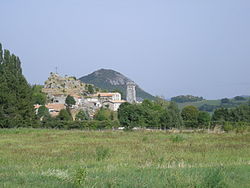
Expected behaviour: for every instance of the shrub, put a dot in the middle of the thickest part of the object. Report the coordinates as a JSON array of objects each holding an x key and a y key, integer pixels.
[
  {"x": 64, "y": 115},
  {"x": 241, "y": 128},
  {"x": 228, "y": 127},
  {"x": 80, "y": 176}
]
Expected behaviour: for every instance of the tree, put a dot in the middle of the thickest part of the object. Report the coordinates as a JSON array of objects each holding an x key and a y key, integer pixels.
[
  {"x": 239, "y": 98},
  {"x": 174, "y": 112},
  {"x": 70, "y": 101},
  {"x": 43, "y": 113},
  {"x": 189, "y": 113},
  {"x": 240, "y": 113},
  {"x": 225, "y": 101},
  {"x": 151, "y": 114},
  {"x": 64, "y": 115},
  {"x": 130, "y": 115},
  {"x": 186, "y": 98},
  {"x": 90, "y": 89},
  {"x": 203, "y": 118},
  {"x": 103, "y": 114},
  {"x": 82, "y": 115},
  {"x": 221, "y": 114},
  {"x": 16, "y": 108},
  {"x": 208, "y": 107},
  {"x": 165, "y": 120},
  {"x": 38, "y": 97}
]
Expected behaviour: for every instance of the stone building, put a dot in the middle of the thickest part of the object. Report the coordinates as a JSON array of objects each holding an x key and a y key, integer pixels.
[
  {"x": 108, "y": 96},
  {"x": 131, "y": 92},
  {"x": 113, "y": 105}
]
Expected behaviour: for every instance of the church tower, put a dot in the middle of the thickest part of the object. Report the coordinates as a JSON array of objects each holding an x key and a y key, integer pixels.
[{"x": 131, "y": 93}]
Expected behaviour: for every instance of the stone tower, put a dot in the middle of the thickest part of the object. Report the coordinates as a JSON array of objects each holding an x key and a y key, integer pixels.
[{"x": 131, "y": 93}]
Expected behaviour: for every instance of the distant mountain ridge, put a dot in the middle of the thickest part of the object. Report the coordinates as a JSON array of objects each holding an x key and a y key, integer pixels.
[{"x": 110, "y": 80}]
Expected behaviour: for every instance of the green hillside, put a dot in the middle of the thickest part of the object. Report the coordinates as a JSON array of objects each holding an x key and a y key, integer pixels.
[
  {"x": 214, "y": 104},
  {"x": 111, "y": 80}
]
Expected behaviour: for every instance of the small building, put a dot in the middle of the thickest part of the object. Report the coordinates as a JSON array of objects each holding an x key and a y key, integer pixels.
[
  {"x": 94, "y": 101},
  {"x": 114, "y": 104},
  {"x": 53, "y": 108},
  {"x": 108, "y": 96}
]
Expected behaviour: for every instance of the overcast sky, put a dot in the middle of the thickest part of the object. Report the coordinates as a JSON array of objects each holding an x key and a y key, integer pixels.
[{"x": 168, "y": 47}]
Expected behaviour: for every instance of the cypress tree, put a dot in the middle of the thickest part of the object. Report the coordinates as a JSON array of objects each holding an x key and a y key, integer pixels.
[
  {"x": 1, "y": 54},
  {"x": 16, "y": 108}
]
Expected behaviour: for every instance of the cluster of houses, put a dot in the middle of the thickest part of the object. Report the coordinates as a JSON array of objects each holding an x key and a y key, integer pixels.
[{"x": 58, "y": 88}]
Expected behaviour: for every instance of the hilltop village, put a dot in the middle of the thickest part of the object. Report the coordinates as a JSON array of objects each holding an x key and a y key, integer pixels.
[{"x": 86, "y": 96}]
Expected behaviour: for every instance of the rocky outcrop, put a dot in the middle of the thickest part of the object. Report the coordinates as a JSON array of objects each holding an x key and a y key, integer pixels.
[{"x": 56, "y": 85}]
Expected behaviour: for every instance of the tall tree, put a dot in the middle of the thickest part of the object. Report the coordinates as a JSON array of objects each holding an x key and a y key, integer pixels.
[
  {"x": 82, "y": 115},
  {"x": 64, "y": 115},
  {"x": 16, "y": 108},
  {"x": 190, "y": 113},
  {"x": 70, "y": 101}
]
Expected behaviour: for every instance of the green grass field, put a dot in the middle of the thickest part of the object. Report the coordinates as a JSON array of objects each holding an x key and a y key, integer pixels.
[{"x": 62, "y": 158}]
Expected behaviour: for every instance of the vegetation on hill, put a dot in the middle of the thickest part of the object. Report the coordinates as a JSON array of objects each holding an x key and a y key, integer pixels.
[
  {"x": 212, "y": 105},
  {"x": 16, "y": 108},
  {"x": 38, "y": 97},
  {"x": 111, "y": 80},
  {"x": 186, "y": 98}
]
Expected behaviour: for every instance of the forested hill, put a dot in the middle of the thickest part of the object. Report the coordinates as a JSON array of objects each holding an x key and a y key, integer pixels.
[{"x": 111, "y": 80}]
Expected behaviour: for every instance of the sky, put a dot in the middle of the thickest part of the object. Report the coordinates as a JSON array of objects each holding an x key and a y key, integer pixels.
[{"x": 168, "y": 47}]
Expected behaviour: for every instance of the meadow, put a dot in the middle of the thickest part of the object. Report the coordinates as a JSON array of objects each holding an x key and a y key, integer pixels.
[{"x": 75, "y": 158}]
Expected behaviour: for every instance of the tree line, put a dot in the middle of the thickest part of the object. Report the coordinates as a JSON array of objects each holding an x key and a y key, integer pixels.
[
  {"x": 186, "y": 98},
  {"x": 165, "y": 115}
]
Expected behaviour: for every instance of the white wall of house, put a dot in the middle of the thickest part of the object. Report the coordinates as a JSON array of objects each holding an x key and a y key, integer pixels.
[{"x": 116, "y": 97}]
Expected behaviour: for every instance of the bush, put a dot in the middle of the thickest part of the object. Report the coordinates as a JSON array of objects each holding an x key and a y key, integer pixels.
[
  {"x": 241, "y": 128},
  {"x": 80, "y": 176}
]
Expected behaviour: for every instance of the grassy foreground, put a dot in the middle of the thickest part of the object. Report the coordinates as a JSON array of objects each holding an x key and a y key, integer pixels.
[{"x": 62, "y": 158}]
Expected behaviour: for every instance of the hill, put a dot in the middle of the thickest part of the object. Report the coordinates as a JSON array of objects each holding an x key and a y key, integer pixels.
[
  {"x": 211, "y": 105},
  {"x": 111, "y": 80}
]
